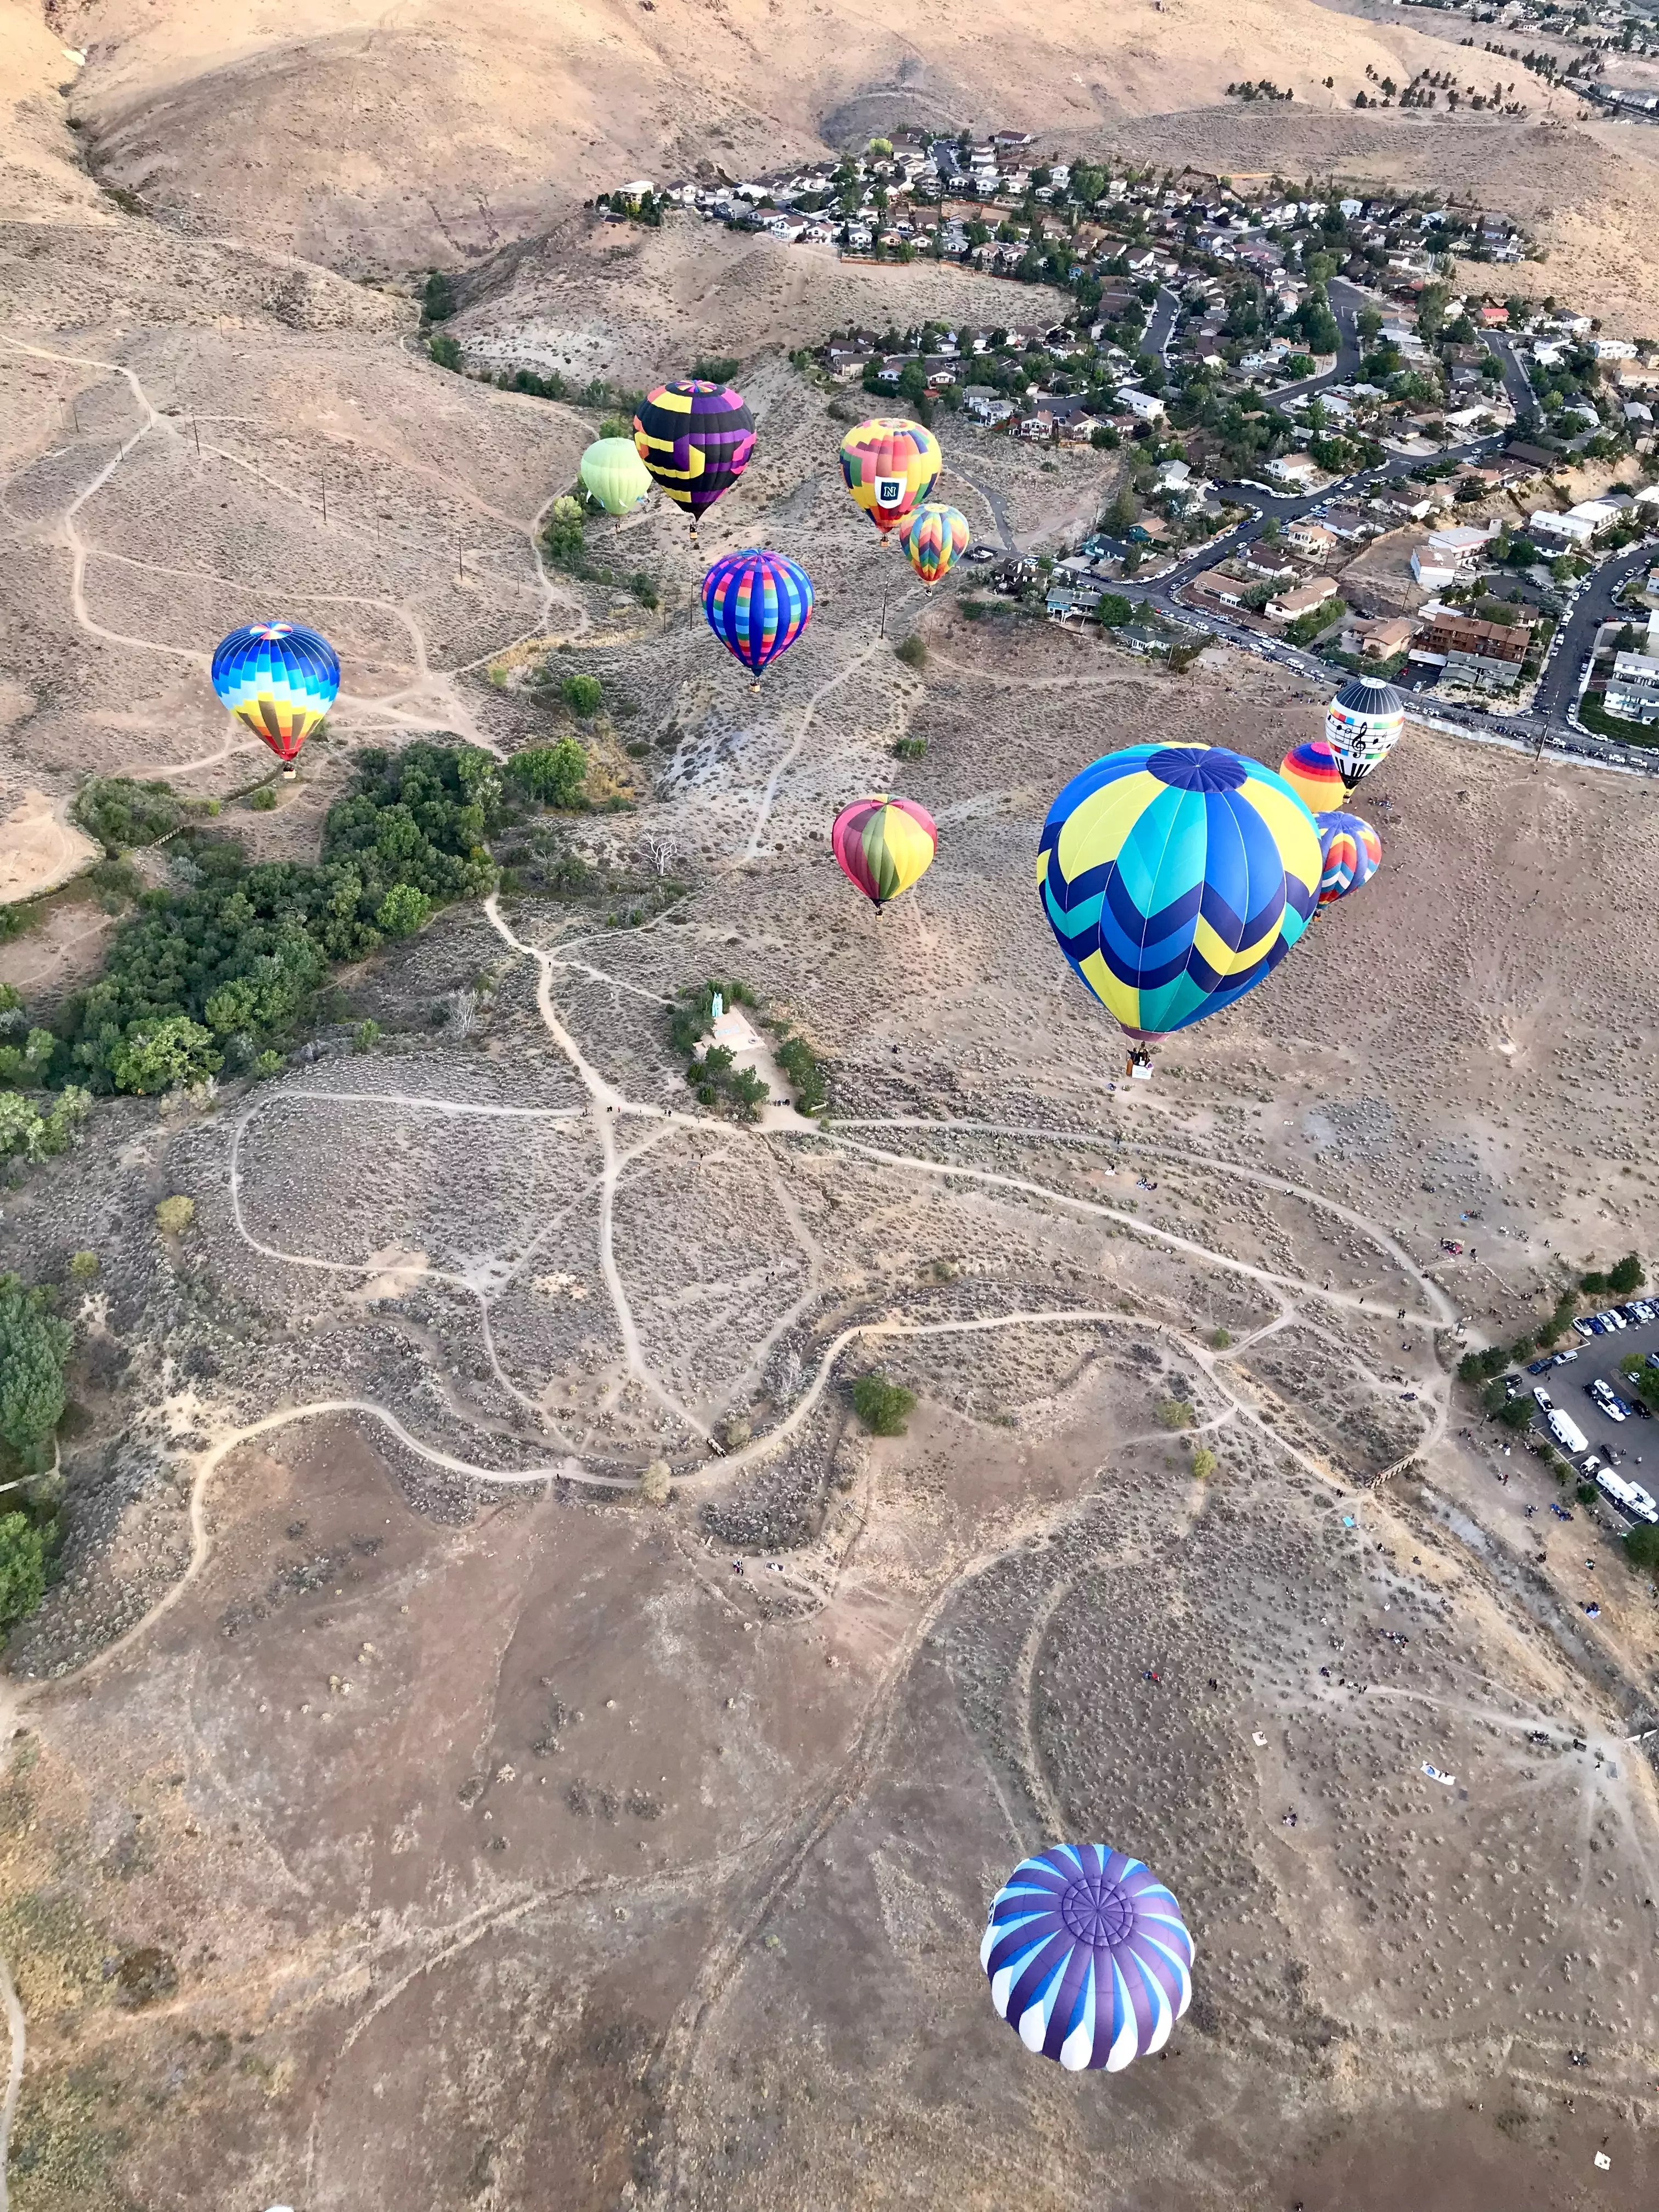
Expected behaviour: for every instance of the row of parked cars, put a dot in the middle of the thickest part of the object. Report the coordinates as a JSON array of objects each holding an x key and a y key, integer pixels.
[{"x": 1617, "y": 1317}]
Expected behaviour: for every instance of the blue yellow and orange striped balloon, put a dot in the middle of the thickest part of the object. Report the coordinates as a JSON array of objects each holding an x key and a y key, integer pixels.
[
  {"x": 280, "y": 679},
  {"x": 932, "y": 537},
  {"x": 1174, "y": 878},
  {"x": 882, "y": 845},
  {"x": 1352, "y": 854},
  {"x": 1315, "y": 773},
  {"x": 890, "y": 464},
  {"x": 757, "y": 604}
]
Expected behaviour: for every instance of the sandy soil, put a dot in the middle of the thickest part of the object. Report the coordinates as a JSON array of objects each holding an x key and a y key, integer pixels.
[
  {"x": 39, "y": 849},
  {"x": 394, "y": 1807}
]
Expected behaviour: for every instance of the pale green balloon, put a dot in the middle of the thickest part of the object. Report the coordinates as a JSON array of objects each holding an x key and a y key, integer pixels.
[{"x": 613, "y": 473}]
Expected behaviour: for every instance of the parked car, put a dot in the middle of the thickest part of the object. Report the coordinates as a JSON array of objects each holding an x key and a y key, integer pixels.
[
  {"x": 1564, "y": 1358},
  {"x": 1613, "y": 1319},
  {"x": 1539, "y": 1366},
  {"x": 1586, "y": 1326},
  {"x": 1543, "y": 1399},
  {"x": 1641, "y": 1408}
]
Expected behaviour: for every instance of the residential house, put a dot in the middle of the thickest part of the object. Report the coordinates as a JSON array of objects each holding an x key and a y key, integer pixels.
[
  {"x": 1265, "y": 563},
  {"x": 1301, "y": 598},
  {"x": 1215, "y": 584},
  {"x": 1145, "y": 406},
  {"x": 1447, "y": 557},
  {"x": 1310, "y": 538},
  {"x": 1633, "y": 687},
  {"x": 1073, "y": 602},
  {"x": 1380, "y": 639},
  {"x": 1295, "y": 470},
  {"x": 1579, "y": 525},
  {"x": 1485, "y": 655}
]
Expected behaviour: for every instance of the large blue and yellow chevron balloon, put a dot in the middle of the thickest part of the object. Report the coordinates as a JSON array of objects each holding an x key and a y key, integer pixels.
[
  {"x": 280, "y": 679},
  {"x": 1174, "y": 878},
  {"x": 757, "y": 603}
]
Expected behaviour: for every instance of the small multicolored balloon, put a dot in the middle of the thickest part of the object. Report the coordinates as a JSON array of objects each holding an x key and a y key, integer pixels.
[
  {"x": 695, "y": 439},
  {"x": 1352, "y": 854},
  {"x": 612, "y": 473},
  {"x": 883, "y": 845},
  {"x": 757, "y": 603},
  {"x": 280, "y": 679},
  {"x": 1088, "y": 1956},
  {"x": 1175, "y": 879},
  {"x": 932, "y": 537},
  {"x": 1313, "y": 774},
  {"x": 890, "y": 464}
]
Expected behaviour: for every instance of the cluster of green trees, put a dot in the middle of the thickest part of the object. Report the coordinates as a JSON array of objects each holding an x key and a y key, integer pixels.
[
  {"x": 123, "y": 814},
  {"x": 204, "y": 974},
  {"x": 35, "y": 1348},
  {"x": 884, "y": 1407},
  {"x": 564, "y": 541},
  {"x": 555, "y": 775}
]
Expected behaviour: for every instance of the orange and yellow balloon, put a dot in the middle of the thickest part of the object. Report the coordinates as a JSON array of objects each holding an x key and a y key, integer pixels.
[{"x": 932, "y": 537}]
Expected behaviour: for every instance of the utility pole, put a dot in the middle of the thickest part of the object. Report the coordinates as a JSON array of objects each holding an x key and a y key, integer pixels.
[
  {"x": 325, "y": 484},
  {"x": 196, "y": 433}
]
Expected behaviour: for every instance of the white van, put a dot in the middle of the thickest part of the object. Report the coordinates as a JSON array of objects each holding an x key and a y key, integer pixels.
[{"x": 1571, "y": 1437}]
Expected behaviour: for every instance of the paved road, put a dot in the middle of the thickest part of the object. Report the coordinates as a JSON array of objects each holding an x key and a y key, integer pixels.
[
  {"x": 1516, "y": 385},
  {"x": 1346, "y": 299},
  {"x": 1558, "y": 688},
  {"x": 1162, "y": 326}
]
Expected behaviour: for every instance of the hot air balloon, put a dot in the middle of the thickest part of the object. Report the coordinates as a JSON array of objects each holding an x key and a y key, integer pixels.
[
  {"x": 1363, "y": 725},
  {"x": 883, "y": 845},
  {"x": 1313, "y": 774},
  {"x": 696, "y": 439},
  {"x": 890, "y": 464},
  {"x": 932, "y": 537},
  {"x": 1353, "y": 855},
  {"x": 757, "y": 604},
  {"x": 280, "y": 679},
  {"x": 613, "y": 473},
  {"x": 1088, "y": 1956},
  {"x": 1174, "y": 878}
]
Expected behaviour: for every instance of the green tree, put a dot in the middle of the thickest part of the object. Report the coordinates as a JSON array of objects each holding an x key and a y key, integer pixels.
[
  {"x": 1642, "y": 1547},
  {"x": 555, "y": 775},
  {"x": 82, "y": 1266},
  {"x": 883, "y": 1408},
  {"x": 161, "y": 1055},
  {"x": 34, "y": 1346},
  {"x": 22, "y": 1569},
  {"x": 446, "y": 351},
  {"x": 583, "y": 695},
  {"x": 403, "y": 911},
  {"x": 1626, "y": 1275},
  {"x": 1174, "y": 1413}
]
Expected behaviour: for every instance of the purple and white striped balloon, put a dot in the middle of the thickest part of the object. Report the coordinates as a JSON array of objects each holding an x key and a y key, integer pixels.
[{"x": 1088, "y": 1956}]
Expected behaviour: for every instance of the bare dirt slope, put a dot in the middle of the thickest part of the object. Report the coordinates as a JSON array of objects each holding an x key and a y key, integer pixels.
[
  {"x": 394, "y": 1807},
  {"x": 370, "y": 141}
]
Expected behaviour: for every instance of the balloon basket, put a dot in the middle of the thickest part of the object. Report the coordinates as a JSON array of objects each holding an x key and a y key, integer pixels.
[{"x": 290, "y": 773}]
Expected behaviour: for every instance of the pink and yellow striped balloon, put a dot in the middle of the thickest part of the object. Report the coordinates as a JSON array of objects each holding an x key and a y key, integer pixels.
[{"x": 932, "y": 537}]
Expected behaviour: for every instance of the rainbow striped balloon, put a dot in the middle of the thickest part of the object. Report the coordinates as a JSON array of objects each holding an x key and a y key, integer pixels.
[
  {"x": 1315, "y": 773},
  {"x": 883, "y": 845},
  {"x": 757, "y": 603},
  {"x": 932, "y": 537},
  {"x": 1352, "y": 854},
  {"x": 280, "y": 679}
]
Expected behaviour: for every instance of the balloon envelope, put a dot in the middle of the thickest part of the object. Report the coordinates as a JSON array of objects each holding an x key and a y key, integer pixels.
[
  {"x": 1352, "y": 852},
  {"x": 613, "y": 473},
  {"x": 1175, "y": 877},
  {"x": 932, "y": 537},
  {"x": 1313, "y": 773},
  {"x": 888, "y": 463},
  {"x": 278, "y": 677},
  {"x": 883, "y": 845},
  {"x": 1088, "y": 1956},
  {"x": 696, "y": 439},
  {"x": 1363, "y": 725},
  {"x": 757, "y": 603}
]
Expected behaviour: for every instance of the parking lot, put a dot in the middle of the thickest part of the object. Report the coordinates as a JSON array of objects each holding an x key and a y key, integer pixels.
[{"x": 1630, "y": 1444}]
